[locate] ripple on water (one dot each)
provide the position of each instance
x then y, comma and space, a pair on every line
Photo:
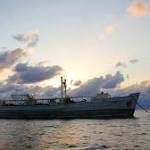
118, 134
28, 146
72, 146
136, 146
76, 134
101, 147
141, 133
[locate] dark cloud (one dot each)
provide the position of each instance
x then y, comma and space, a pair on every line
29, 38
9, 58
93, 86
143, 88
6, 90
120, 64
133, 61
25, 74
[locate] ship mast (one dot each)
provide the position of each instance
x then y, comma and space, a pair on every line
62, 93
63, 89
65, 86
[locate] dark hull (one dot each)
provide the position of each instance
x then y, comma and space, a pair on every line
110, 113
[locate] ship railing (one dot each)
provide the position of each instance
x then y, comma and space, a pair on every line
19, 100
26, 101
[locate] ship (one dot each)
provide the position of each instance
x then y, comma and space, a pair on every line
102, 105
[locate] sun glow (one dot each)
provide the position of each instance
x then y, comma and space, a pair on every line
70, 75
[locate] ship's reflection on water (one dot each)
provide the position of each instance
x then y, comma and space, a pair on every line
76, 134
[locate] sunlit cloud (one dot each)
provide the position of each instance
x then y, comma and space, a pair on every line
43, 63
9, 58
107, 31
138, 9
77, 83
110, 29
30, 39
4, 74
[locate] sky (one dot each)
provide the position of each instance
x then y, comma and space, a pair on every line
84, 40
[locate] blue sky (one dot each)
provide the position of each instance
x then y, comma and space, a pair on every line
87, 38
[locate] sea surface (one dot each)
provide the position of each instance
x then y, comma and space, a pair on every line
77, 134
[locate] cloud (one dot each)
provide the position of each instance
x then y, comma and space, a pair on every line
9, 58
138, 9
110, 29
4, 48
133, 61
6, 90
120, 64
25, 74
93, 86
29, 38
77, 83
107, 31
143, 87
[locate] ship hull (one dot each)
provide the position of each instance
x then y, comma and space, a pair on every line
117, 107
108, 113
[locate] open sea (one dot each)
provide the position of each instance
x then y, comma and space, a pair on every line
77, 134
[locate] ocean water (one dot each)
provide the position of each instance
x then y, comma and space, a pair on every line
77, 134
